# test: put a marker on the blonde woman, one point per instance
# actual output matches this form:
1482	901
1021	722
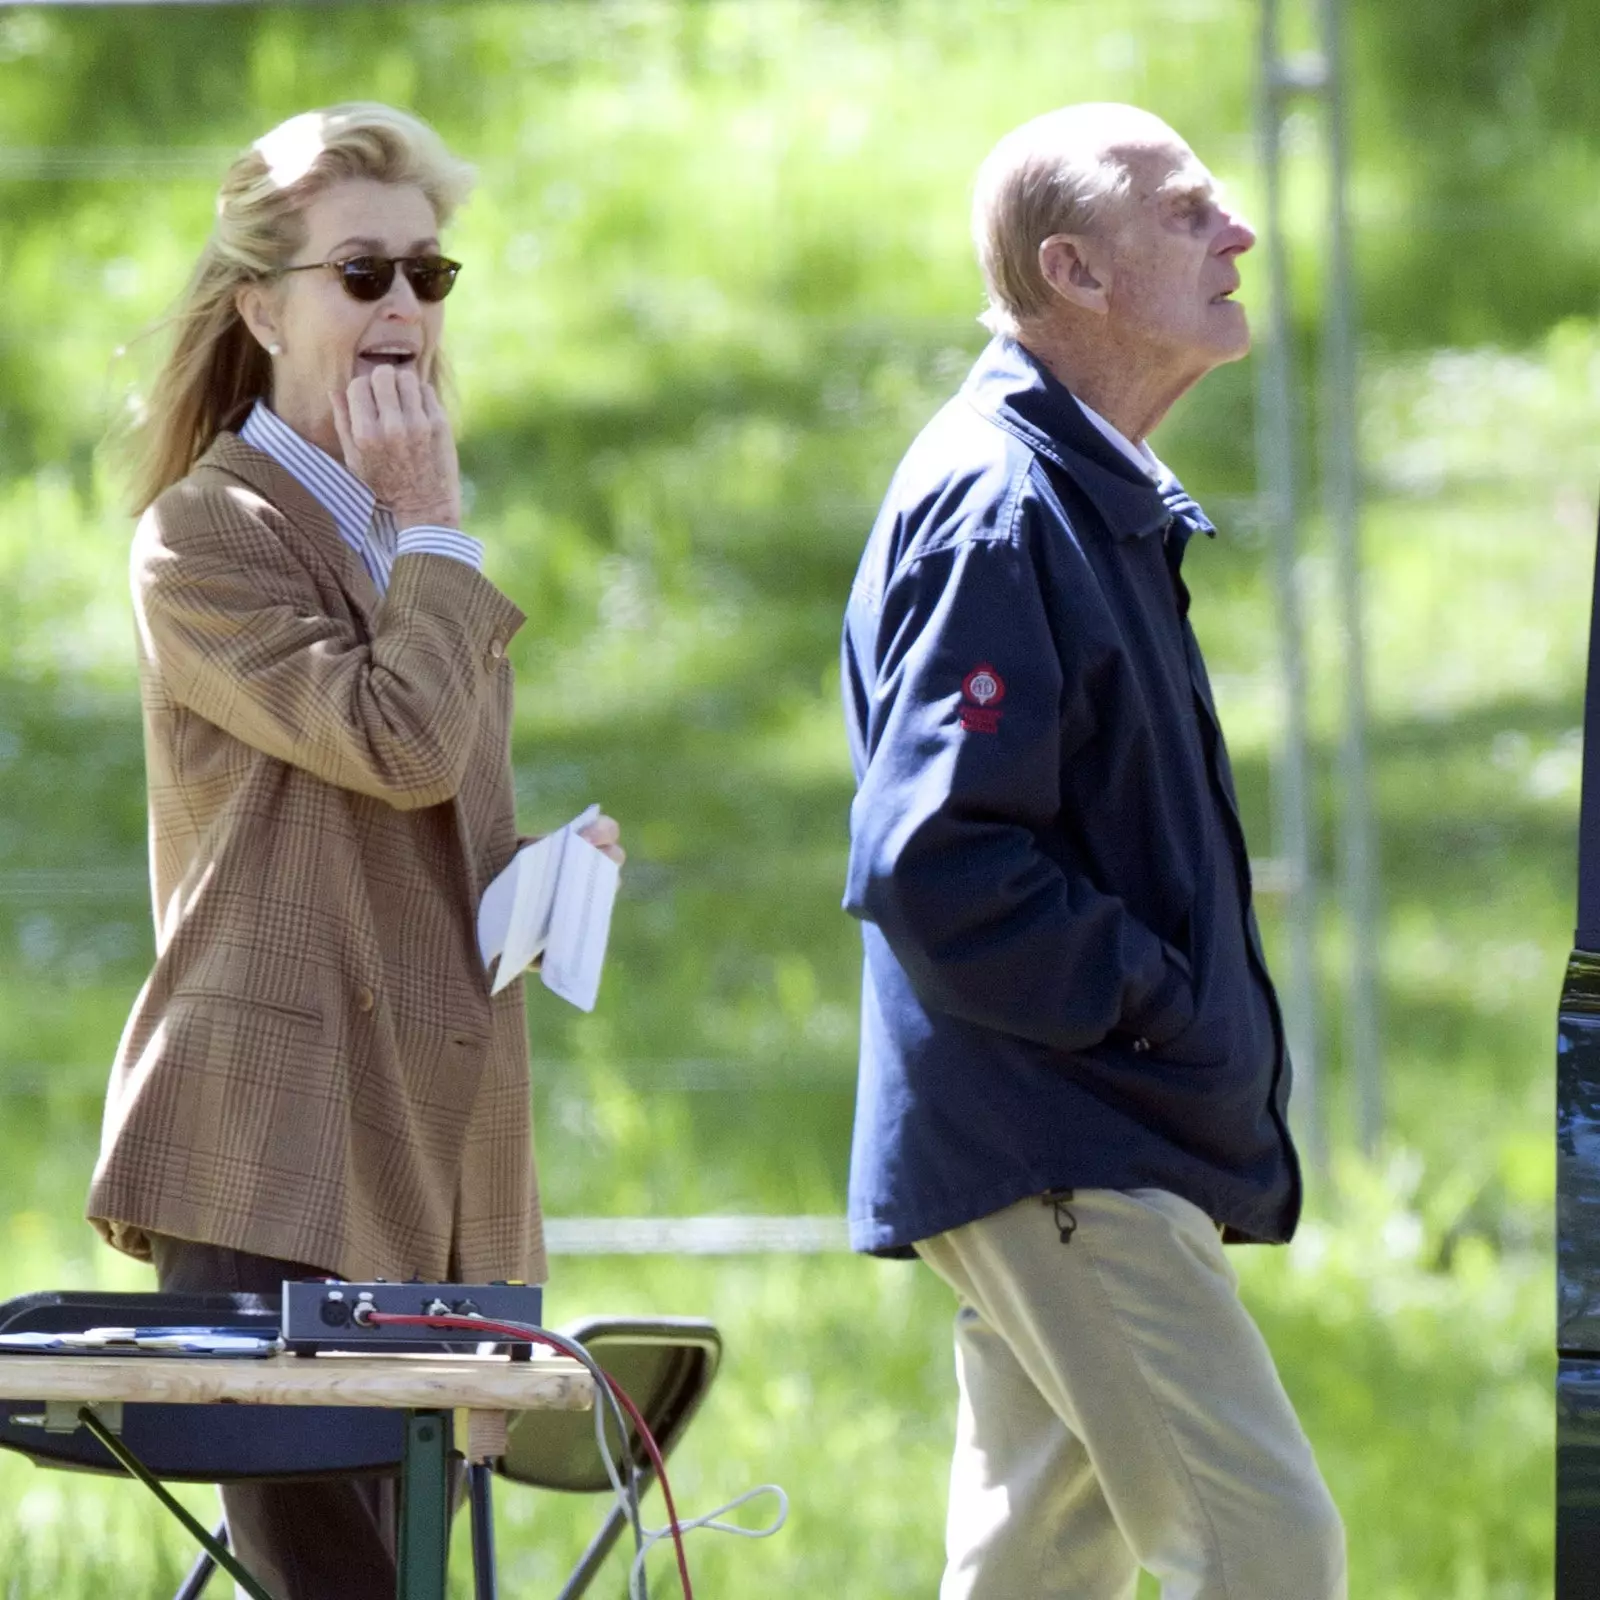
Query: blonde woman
315	1079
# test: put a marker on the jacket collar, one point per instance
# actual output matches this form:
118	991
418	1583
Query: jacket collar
1015	391
307	515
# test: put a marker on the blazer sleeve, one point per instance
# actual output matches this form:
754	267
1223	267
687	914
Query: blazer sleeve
953	799
233	624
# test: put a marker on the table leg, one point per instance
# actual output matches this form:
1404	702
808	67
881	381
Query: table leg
480	1479
425	1506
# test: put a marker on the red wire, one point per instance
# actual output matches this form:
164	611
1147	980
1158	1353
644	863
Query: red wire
556	1341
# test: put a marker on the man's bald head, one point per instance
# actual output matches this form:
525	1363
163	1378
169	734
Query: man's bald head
1058	174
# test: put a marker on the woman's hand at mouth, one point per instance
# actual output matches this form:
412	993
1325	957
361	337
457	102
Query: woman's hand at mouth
397	439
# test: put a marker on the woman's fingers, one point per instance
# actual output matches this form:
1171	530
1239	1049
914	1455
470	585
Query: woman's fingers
603	833
433	410
397	398
409	393
363	410
390	403
441	433
407	455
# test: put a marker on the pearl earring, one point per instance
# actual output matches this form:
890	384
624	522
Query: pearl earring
274	349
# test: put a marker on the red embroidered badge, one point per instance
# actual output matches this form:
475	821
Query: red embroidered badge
982	690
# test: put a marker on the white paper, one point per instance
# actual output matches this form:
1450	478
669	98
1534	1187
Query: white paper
580	923
533	893
554	899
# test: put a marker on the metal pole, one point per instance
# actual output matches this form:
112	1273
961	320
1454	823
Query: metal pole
1341	488
1276	465
424	1533
480	1487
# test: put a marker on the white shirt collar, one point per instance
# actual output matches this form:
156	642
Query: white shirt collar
1141	455
337	490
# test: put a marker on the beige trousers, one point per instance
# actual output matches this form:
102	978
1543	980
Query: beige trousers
1119	1408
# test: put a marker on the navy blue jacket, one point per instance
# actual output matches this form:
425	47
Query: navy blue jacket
1064	985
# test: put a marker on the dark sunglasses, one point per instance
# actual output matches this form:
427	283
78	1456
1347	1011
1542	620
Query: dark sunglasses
371	277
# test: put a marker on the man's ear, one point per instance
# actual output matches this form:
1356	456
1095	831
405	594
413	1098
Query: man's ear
1079	277
257	312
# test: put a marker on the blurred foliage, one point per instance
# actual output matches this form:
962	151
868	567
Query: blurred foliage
717	275
1481	202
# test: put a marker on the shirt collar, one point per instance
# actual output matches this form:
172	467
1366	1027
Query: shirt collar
1016	391
340	493
1141	455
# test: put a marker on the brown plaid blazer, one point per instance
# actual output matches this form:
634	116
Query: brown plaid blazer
315	1069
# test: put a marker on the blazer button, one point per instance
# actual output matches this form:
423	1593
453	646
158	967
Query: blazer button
1140	1045
365	998
496	649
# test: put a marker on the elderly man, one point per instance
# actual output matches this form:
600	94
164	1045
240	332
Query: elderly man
1073	1078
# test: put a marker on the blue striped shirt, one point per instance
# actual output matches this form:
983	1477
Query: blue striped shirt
367	527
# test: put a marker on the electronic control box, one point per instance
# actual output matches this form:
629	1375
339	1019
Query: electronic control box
325	1314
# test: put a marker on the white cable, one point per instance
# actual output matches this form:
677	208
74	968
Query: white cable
654	1536
648	1538
628	1493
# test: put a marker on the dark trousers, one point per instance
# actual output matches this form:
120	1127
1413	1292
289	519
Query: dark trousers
325	1540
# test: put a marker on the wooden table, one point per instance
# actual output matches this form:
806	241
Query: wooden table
430	1389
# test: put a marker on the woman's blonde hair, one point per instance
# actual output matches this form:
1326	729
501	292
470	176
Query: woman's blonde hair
215	367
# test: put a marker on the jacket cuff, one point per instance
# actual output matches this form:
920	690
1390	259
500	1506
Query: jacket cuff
459	595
